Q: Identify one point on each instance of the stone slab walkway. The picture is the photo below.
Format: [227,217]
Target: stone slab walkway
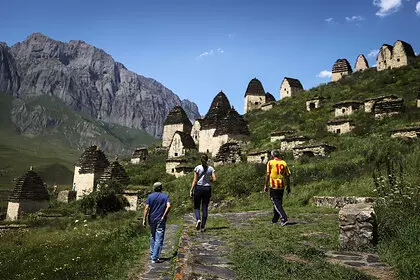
[163,270]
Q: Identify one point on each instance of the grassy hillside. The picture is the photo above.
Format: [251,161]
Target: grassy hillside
[44,133]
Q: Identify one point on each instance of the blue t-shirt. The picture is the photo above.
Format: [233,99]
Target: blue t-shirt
[205,179]
[157,205]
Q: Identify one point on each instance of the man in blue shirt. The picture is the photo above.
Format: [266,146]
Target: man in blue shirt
[157,208]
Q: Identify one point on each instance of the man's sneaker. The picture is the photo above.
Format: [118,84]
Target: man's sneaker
[156,261]
[198,225]
[284,223]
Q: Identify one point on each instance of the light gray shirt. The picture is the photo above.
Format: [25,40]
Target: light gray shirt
[205,179]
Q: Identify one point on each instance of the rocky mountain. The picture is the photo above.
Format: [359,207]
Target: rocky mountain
[89,81]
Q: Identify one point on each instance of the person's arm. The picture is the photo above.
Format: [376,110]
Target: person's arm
[145,212]
[168,206]
[287,177]
[267,177]
[213,176]
[194,182]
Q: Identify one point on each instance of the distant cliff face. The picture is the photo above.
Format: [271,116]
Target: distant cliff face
[88,80]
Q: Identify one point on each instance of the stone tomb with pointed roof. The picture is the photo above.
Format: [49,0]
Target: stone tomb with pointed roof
[221,124]
[388,108]
[177,120]
[340,69]
[181,144]
[270,102]
[115,172]
[346,108]
[229,152]
[140,155]
[313,150]
[290,87]
[340,126]
[314,103]
[260,156]
[88,170]
[29,195]
[361,63]
[254,96]
[399,55]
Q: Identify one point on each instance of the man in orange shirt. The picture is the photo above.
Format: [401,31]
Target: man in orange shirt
[278,174]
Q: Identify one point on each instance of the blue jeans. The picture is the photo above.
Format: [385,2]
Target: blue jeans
[157,230]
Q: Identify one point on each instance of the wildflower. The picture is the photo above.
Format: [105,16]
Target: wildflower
[75,228]
[76,221]
[85,225]
[85,221]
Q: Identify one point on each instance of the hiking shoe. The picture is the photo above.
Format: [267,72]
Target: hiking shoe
[157,261]
[198,225]
[284,223]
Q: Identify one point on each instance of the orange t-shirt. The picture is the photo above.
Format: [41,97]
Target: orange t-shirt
[277,169]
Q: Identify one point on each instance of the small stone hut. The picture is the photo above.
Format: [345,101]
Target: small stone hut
[361,63]
[290,87]
[183,169]
[171,163]
[346,108]
[314,150]
[29,195]
[254,95]
[388,108]
[314,103]
[229,152]
[258,156]
[181,144]
[340,69]
[288,143]
[279,135]
[407,133]
[88,170]
[369,103]
[340,126]
[401,54]
[115,172]
[195,130]
[177,120]
[140,155]
[218,110]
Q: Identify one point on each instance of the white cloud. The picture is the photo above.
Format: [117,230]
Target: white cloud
[211,52]
[329,20]
[373,53]
[387,7]
[418,8]
[355,18]
[324,74]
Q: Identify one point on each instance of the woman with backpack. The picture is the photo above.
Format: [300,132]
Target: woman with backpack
[201,191]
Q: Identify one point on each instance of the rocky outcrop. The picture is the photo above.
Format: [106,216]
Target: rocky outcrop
[88,80]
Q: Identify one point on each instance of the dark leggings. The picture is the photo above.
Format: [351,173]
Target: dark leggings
[202,196]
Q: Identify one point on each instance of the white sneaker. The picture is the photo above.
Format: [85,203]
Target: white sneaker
[198,225]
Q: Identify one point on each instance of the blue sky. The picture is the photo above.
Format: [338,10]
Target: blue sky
[197,48]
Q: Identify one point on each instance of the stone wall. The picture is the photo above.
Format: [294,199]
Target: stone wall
[361,63]
[267,106]
[340,128]
[312,151]
[384,58]
[169,131]
[288,145]
[407,133]
[340,201]
[206,139]
[253,102]
[183,170]
[262,157]
[418,103]
[339,75]
[313,104]
[176,149]
[15,210]
[66,196]
[84,182]
[358,227]
[132,198]
[345,110]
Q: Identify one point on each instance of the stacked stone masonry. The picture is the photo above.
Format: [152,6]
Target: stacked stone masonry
[181,144]
[177,120]
[320,150]
[382,109]
[254,96]
[314,103]
[408,133]
[340,126]
[140,155]
[369,103]
[399,55]
[66,196]
[258,157]
[228,153]
[340,201]
[288,143]
[280,135]
[290,87]
[115,172]
[361,63]
[358,227]
[346,108]
[340,69]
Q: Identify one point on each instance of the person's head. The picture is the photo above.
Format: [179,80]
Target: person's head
[275,154]
[204,158]
[157,187]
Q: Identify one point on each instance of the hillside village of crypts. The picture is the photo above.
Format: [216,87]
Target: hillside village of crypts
[223,134]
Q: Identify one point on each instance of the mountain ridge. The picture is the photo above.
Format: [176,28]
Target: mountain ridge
[88,80]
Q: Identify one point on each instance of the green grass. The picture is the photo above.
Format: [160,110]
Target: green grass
[101,248]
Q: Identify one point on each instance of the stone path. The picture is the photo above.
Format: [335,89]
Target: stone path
[163,270]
